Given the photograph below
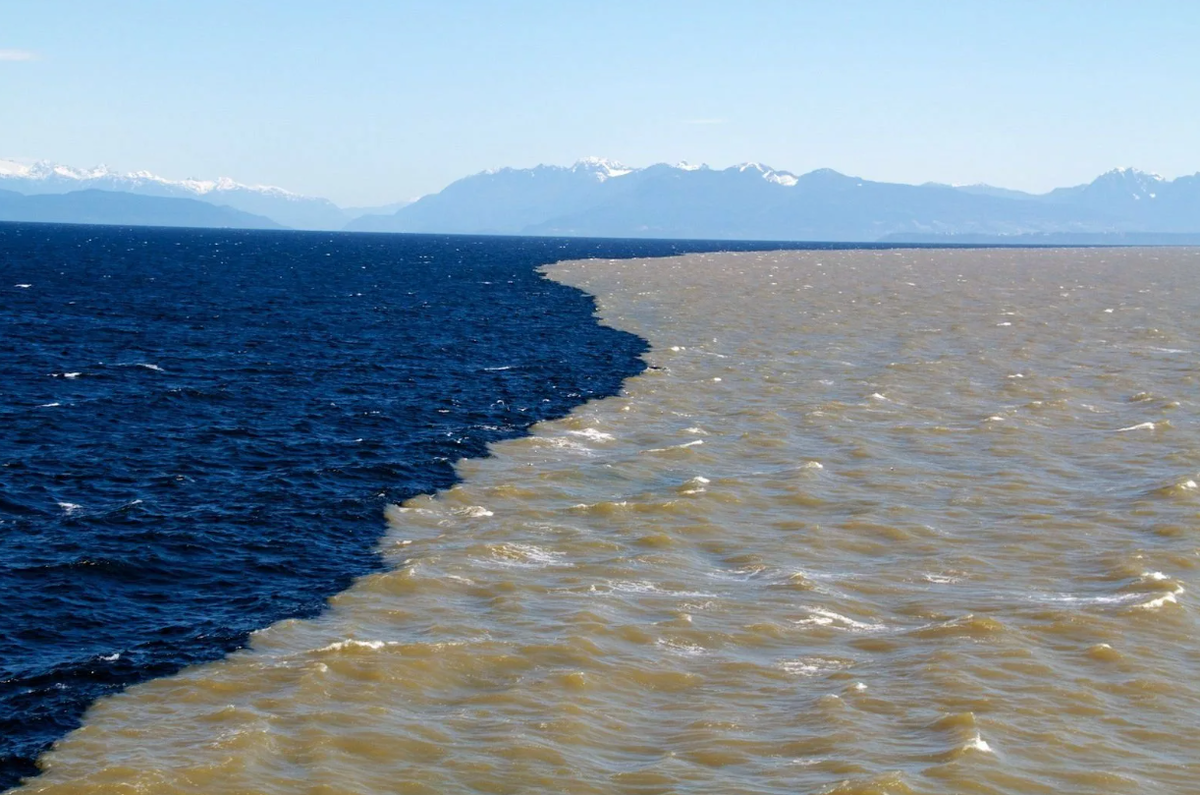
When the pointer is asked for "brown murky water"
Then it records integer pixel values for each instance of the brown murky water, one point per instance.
(877, 522)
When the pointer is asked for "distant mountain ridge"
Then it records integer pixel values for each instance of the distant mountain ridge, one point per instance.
(603, 198)
(124, 209)
(595, 197)
(283, 207)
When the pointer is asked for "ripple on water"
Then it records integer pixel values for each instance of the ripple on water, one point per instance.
(855, 584)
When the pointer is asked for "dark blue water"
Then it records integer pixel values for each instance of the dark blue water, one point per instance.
(199, 429)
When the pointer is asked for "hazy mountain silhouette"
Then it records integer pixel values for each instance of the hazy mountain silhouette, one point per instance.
(602, 198)
(605, 199)
(281, 206)
(124, 209)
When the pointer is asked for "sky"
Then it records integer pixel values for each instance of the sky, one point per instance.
(375, 101)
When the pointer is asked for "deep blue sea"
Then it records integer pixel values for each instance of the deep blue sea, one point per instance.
(199, 429)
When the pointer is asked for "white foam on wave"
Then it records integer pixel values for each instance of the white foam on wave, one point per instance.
(1165, 599)
(561, 443)
(977, 743)
(645, 587)
(593, 434)
(528, 556)
(70, 507)
(473, 512)
(498, 369)
(1141, 426)
(48, 405)
(148, 366)
(22, 286)
(822, 617)
(349, 643)
(812, 666)
(692, 443)
(681, 648)
(1073, 599)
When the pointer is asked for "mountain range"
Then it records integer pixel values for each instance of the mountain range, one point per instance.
(124, 209)
(602, 198)
(283, 207)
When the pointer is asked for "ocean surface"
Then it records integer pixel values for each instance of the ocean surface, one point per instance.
(891, 521)
(201, 429)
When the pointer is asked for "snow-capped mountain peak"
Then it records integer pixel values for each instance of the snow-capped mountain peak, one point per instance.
(1132, 173)
(44, 171)
(282, 206)
(1137, 184)
(602, 167)
(785, 178)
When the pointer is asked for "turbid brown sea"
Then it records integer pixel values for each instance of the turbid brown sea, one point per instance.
(872, 522)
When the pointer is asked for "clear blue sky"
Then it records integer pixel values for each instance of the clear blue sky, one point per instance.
(372, 101)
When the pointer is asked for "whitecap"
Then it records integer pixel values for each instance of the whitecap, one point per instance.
(681, 648)
(22, 286)
(473, 512)
(675, 446)
(594, 435)
(811, 666)
(644, 587)
(1158, 602)
(373, 645)
(977, 743)
(525, 556)
(1141, 426)
(822, 617)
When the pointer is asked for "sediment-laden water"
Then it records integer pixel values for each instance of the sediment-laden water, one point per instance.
(872, 522)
